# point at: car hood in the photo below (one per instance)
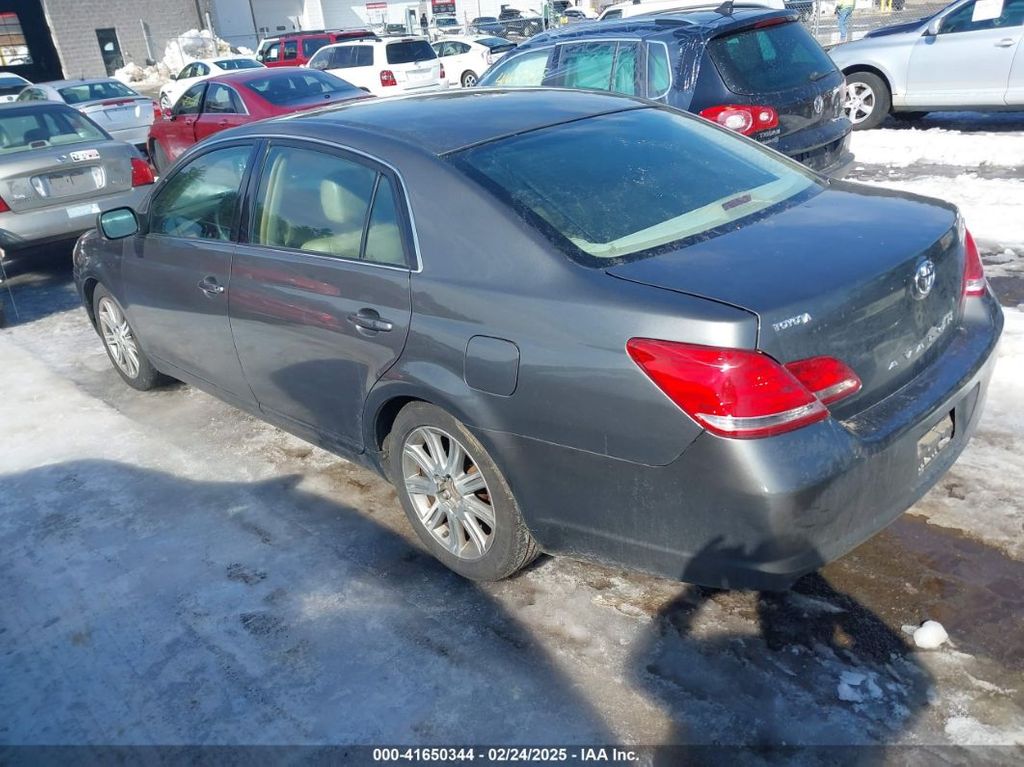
(895, 29)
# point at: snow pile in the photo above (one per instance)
(936, 146)
(930, 635)
(188, 46)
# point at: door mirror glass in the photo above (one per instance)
(118, 223)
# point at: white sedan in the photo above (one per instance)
(465, 58)
(10, 86)
(198, 70)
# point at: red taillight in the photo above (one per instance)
(158, 113)
(142, 174)
(730, 392)
(827, 378)
(974, 271)
(387, 77)
(742, 118)
(4, 207)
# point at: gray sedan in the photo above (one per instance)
(968, 56)
(57, 171)
(694, 357)
(120, 111)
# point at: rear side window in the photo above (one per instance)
(222, 100)
(663, 178)
(603, 66)
(352, 56)
(409, 51)
(659, 72)
(312, 44)
(524, 70)
(291, 49)
(616, 14)
(770, 59)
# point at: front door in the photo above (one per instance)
(177, 280)
(968, 62)
(181, 133)
(320, 295)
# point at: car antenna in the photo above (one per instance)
(725, 9)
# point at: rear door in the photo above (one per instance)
(320, 293)
(968, 63)
(177, 279)
(606, 65)
(222, 108)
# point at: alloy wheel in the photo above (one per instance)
(468, 80)
(118, 338)
(448, 492)
(860, 102)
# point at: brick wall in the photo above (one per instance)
(74, 24)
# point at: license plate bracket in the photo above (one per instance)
(935, 440)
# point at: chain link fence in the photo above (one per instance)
(821, 16)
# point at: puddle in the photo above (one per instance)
(913, 571)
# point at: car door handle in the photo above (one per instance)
(211, 287)
(369, 319)
(1006, 42)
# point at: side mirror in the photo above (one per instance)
(118, 223)
(933, 28)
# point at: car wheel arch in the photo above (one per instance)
(856, 68)
(88, 291)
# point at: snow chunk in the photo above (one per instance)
(849, 682)
(930, 635)
(900, 148)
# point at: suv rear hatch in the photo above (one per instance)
(775, 62)
(413, 63)
(822, 283)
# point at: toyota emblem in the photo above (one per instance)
(924, 279)
(819, 104)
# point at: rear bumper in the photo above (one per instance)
(19, 231)
(137, 136)
(756, 513)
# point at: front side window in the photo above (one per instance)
(272, 52)
(187, 72)
(971, 18)
(321, 203)
(524, 70)
(201, 200)
(663, 178)
(604, 66)
(190, 101)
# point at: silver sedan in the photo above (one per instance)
(120, 111)
(968, 56)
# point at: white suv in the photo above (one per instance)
(384, 67)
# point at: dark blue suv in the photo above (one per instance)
(756, 71)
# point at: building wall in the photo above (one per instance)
(73, 24)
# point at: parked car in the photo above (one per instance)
(961, 58)
(11, 85)
(651, 363)
(396, 30)
(447, 25)
(522, 23)
(296, 49)
(487, 25)
(58, 169)
(120, 111)
(574, 15)
(757, 71)
(227, 101)
(384, 67)
(632, 8)
(465, 58)
(196, 71)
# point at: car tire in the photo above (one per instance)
(867, 100)
(121, 343)
(469, 79)
(465, 490)
(165, 103)
(158, 157)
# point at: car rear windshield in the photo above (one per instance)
(37, 128)
(408, 51)
(83, 92)
(296, 88)
(497, 44)
(663, 178)
(770, 59)
(11, 86)
(227, 64)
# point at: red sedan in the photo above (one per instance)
(242, 97)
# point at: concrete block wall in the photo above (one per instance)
(73, 24)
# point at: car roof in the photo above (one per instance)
(447, 121)
(695, 24)
(377, 41)
(9, 105)
(84, 81)
(242, 76)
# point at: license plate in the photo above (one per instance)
(77, 211)
(934, 441)
(419, 75)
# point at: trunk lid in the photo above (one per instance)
(119, 113)
(834, 275)
(62, 175)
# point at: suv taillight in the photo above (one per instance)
(974, 272)
(741, 393)
(387, 78)
(142, 174)
(742, 118)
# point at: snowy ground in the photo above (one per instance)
(177, 572)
